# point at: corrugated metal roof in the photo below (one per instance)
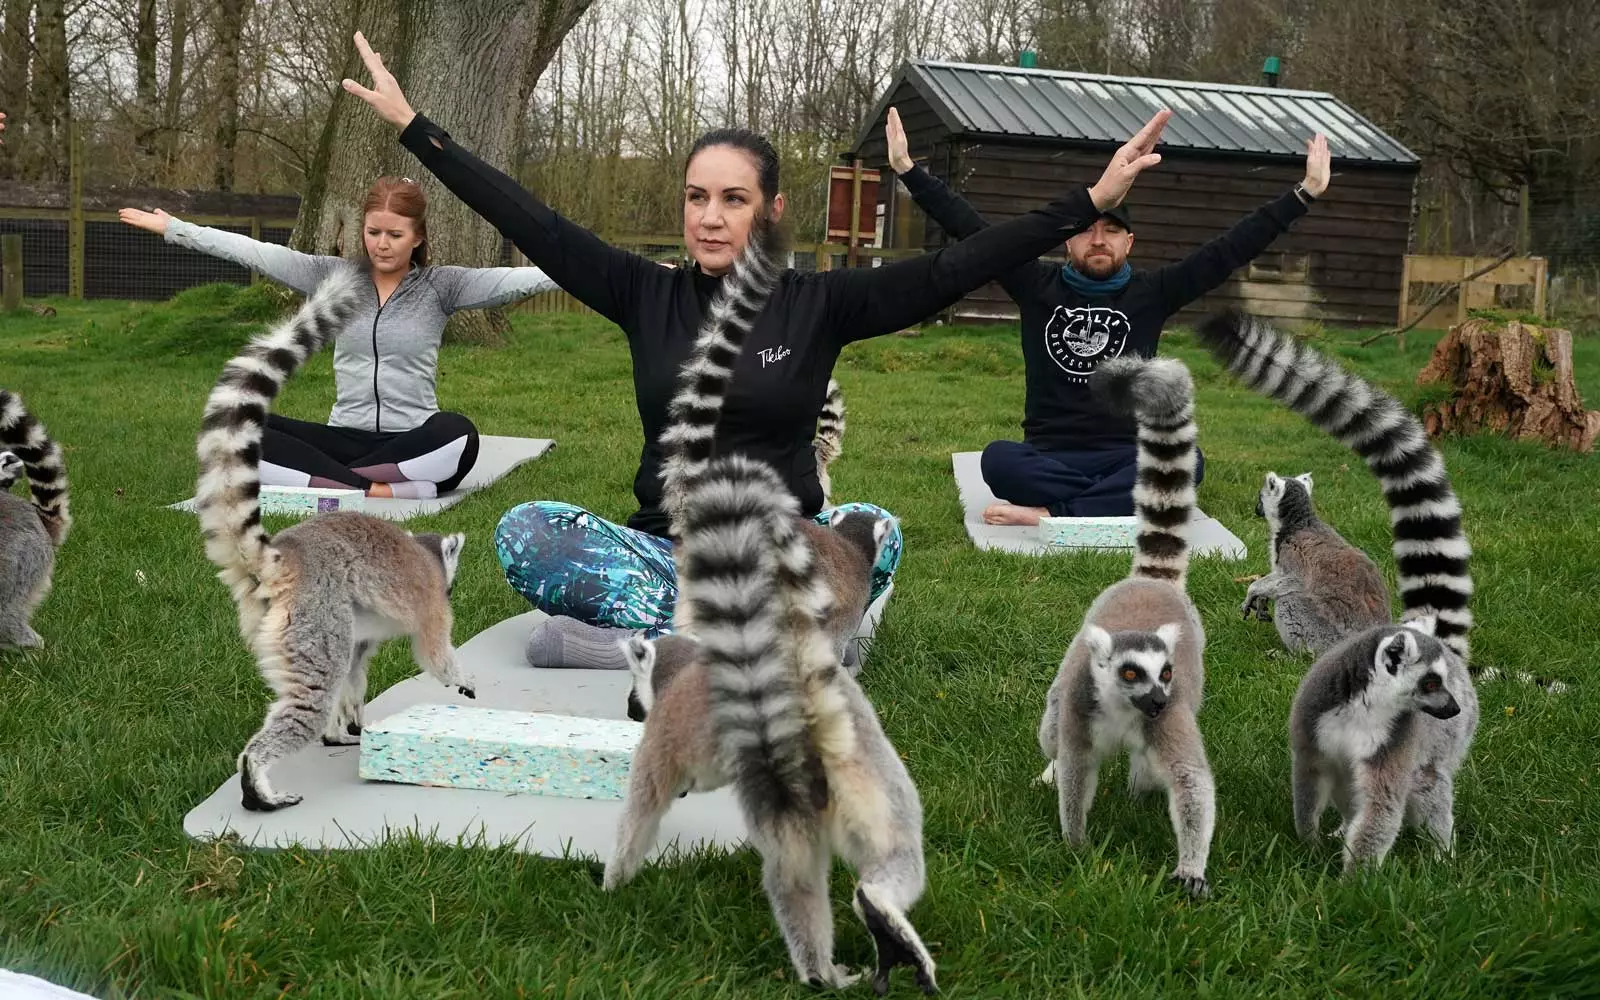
(1086, 107)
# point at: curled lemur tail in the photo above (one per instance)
(227, 496)
(25, 437)
(748, 573)
(1159, 394)
(1430, 550)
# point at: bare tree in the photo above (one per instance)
(230, 30)
(466, 66)
(15, 57)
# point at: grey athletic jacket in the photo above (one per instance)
(385, 362)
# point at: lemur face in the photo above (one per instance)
(11, 469)
(1275, 488)
(1139, 664)
(1411, 665)
(641, 656)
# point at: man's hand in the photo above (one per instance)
(899, 150)
(385, 97)
(1317, 165)
(1135, 155)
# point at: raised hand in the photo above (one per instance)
(155, 222)
(1317, 165)
(385, 97)
(1134, 156)
(899, 151)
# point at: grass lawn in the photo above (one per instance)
(144, 694)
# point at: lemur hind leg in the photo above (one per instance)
(888, 888)
(345, 722)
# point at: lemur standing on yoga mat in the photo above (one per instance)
(30, 533)
(779, 719)
(1322, 587)
(316, 599)
(1382, 721)
(829, 441)
(1134, 674)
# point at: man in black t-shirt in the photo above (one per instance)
(1077, 459)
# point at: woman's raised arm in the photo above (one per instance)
(597, 274)
(302, 272)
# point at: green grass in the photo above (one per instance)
(137, 707)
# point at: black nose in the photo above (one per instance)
(635, 707)
(1449, 710)
(1150, 703)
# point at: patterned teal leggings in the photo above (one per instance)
(568, 561)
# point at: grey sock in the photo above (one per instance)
(560, 641)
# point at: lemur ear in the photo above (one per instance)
(1426, 624)
(1098, 641)
(1397, 650)
(1305, 480)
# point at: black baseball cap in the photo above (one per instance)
(1120, 216)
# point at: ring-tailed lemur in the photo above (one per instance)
(1322, 587)
(1382, 721)
(30, 533)
(829, 441)
(779, 720)
(1134, 674)
(316, 599)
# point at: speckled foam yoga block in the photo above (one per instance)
(536, 752)
(1089, 532)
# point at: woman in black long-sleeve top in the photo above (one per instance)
(588, 572)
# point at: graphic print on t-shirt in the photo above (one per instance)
(1079, 339)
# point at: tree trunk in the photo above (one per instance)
(1515, 380)
(52, 94)
(230, 28)
(468, 67)
(170, 135)
(15, 52)
(147, 106)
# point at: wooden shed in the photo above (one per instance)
(1010, 139)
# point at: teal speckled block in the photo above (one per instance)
(459, 747)
(1089, 532)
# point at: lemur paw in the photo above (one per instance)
(1194, 885)
(836, 976)
(1049, 775)
(468, 691)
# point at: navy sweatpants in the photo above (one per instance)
(1066, 483)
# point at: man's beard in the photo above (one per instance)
(1097, 267)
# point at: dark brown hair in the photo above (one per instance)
(402, 196)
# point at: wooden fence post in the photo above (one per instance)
(855, 210)
(11, 270)
(75, 211)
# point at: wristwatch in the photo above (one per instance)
(1306, 197)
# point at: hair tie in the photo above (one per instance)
(408, 180)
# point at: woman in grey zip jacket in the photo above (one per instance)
(386, 434)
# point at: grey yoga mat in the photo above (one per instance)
(1207, 535)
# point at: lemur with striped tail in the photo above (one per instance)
(752, 690)
(1134, 674)
(1381, 721)
(30, 530)
(316, 599)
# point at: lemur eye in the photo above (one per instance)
(1166, 675)
(1430, 685)
(1130, 675)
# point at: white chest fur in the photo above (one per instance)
(1353, 731)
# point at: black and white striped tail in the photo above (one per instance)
(227, 496)
(1160, 395)
(695, 411)
(24, 436)
(1430, 549)
(749, 572)
(829, 441)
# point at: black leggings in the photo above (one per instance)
(442, 450)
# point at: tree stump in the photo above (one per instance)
(1514, 379)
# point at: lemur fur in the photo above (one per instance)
(316, 599)
(1321, 587)
(30, 530)
(756, 696)
(1381, 721)
(1134, 674)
